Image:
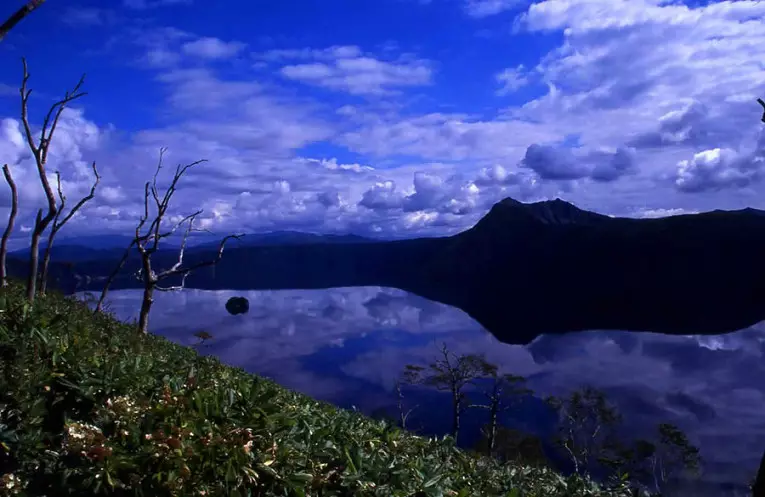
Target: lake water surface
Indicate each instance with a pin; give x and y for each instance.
(347, 346)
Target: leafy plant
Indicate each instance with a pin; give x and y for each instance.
(89, 407)
(503, 392)
(586, 430)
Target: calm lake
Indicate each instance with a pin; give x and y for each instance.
(347, 346)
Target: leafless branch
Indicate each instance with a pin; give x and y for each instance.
(110, 279)
(40, 153)
(212, 262)
(57, 225)
(17, 16)
(153, 232)
(9, 226)
(147, 242)
(83, 200)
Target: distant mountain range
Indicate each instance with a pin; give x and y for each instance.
(83, 248)
(521, 271)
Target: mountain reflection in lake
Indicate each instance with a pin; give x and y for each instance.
(347, 345)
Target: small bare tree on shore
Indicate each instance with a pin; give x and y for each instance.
(410, 376)
(112, 276)
(58, 224)
(40, 153)
(9, 226)
(148, 243)
(502, 393)
(450, 373)
(17, 16)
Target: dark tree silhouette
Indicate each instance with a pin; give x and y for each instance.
(450, 373)
(112, 275)
(410, 376)
(58, 224)
(17, 16)
(512, 445)
(503, 392)
(586, 427)
(148, 243)
(758, 488)
(9, 226)
(40, 151)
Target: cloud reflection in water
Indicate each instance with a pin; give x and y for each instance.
(347, 345)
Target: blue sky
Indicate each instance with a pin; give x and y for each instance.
(392, 118)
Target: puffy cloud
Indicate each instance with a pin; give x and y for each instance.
(611, 166)
(691, 125)
(212, 48)
(716, 169)
(75, 139)
(563, 164)
(349, 71)
(432, 194)
(438, 136)
(383, 196)
(657, 213)
(325, 54)
(329, 199)
(649, 74)
(644, 85)
(496, 181)
(448, 196)
(555, 163)
(512, 79)
(486, 8)
(87, 16)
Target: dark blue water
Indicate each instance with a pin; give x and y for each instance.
(348, 345)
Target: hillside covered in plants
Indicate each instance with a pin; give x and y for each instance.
(88, 406)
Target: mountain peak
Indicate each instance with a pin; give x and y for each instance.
(556, 211)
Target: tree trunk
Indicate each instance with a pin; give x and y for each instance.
(758, 489)
(149, 283)
(18, 16)
(492, 431)
(112, 276)
(9, 226)
(46, 263)
(456, 405)
(143, 319)
(399, 404)
(34, 256)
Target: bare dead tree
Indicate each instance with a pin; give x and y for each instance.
(57, 225)
(408, 377)
(9, 226)
(17, 16)
(40, 154)
(450, 373)
(110, 278)
(148, 243)
(503, 393)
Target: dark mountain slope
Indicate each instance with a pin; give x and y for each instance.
(549, 267)
(526, 269)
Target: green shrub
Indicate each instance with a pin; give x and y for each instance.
(88, 407)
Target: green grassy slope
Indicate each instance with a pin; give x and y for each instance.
(89, 407)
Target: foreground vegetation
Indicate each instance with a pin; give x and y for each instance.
(589, 429)
(88, 406)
